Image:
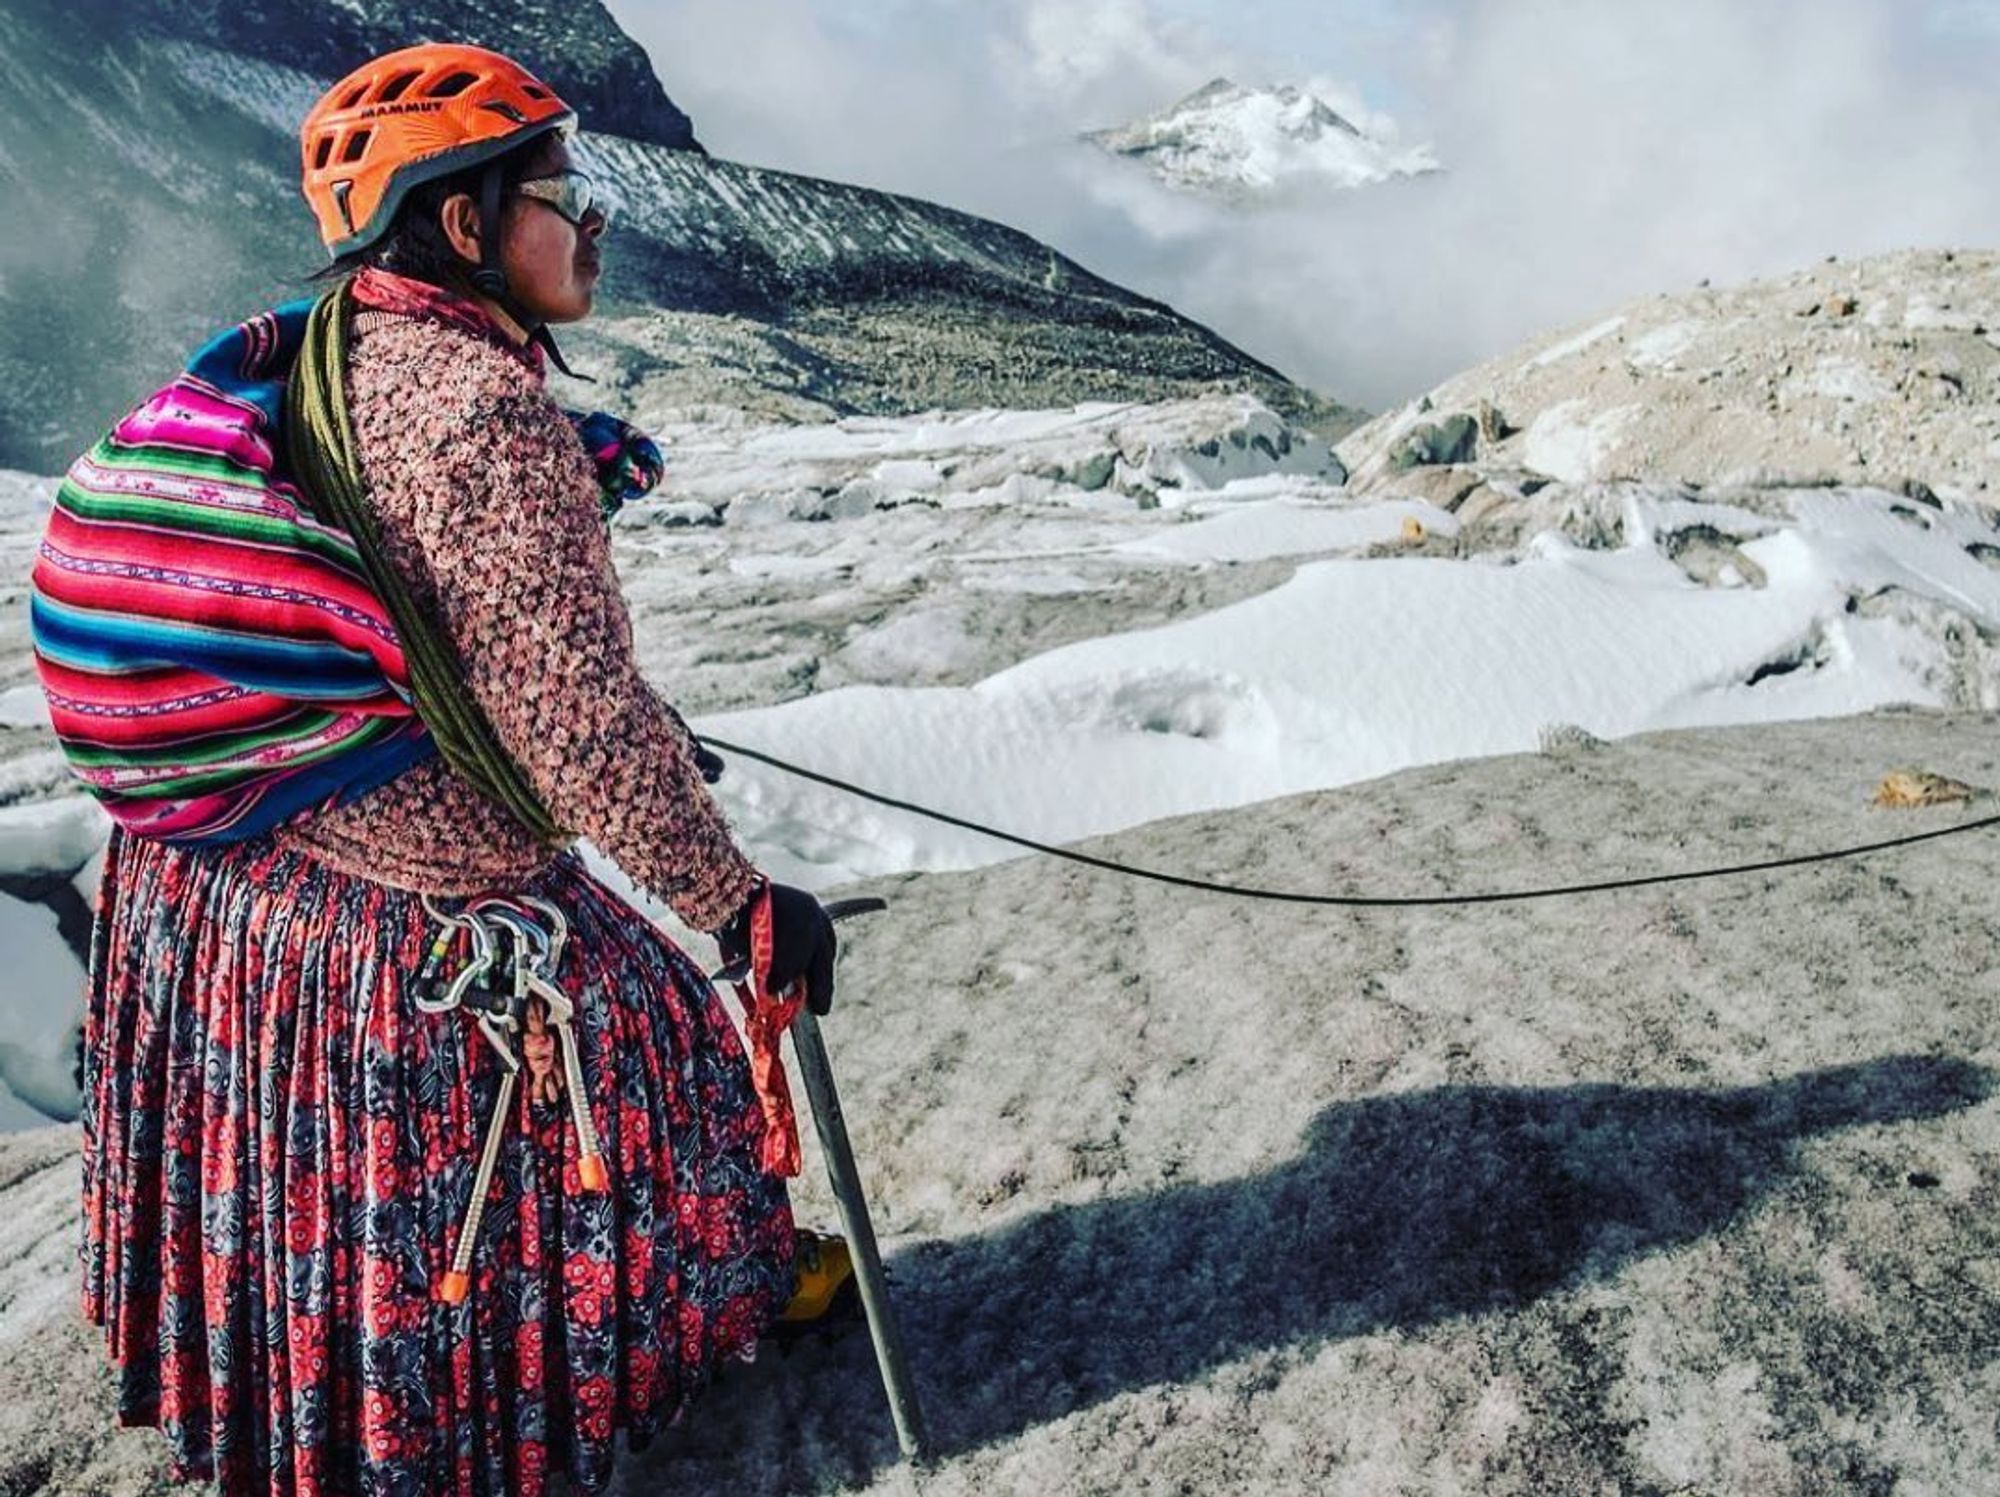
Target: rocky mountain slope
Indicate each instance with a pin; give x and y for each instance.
(1882, 372)
(783, 294)
(1689, 1189)
(576, 45)
(151, 162)
(1243, 144)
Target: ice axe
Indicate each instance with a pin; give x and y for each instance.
(855, 1223)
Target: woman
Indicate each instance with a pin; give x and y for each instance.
(331, 628)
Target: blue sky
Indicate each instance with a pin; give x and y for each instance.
(1594, 149)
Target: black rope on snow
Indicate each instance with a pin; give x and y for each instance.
(1350, 901)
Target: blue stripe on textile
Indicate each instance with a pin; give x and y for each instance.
(90, 640)
(221, 360)
(335, 782)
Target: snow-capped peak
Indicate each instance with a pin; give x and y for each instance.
(1227, 139)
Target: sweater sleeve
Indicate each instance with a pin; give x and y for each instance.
(514, 547)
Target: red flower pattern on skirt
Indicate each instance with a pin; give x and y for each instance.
(278, 1148)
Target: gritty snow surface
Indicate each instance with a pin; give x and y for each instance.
(1687, 1189)
(1882, 371)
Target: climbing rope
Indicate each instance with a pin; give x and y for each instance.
(1349, 901)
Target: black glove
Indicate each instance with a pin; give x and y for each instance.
(708, 761)
(802, 944)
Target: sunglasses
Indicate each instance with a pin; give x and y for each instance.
(571, 193)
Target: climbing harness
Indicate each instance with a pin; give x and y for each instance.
(507, 985)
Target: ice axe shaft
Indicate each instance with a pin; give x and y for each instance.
(831, 1124)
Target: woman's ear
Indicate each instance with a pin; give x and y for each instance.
(459, 217)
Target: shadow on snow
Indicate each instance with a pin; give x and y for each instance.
(1399, 1211)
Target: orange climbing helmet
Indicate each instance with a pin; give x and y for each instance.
(408, 117)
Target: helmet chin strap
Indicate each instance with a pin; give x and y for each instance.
(489, 280)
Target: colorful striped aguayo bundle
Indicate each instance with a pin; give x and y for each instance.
(215, 660)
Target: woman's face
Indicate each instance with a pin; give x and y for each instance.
(552, 264)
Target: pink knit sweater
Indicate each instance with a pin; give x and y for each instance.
(489, 510)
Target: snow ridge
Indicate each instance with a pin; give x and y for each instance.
(1228, 140)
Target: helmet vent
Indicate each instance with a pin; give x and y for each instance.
(357, 146)
(396, 87)
(505, 110)
(324, 154)
(452, 87)
(353, 96)
(534, 93)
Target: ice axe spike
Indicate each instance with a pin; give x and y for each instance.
(817, 1073)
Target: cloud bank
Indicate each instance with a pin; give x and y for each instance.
(1592, 152)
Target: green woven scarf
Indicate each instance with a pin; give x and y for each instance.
(319, 441)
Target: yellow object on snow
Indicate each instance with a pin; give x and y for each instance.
(1902, 789)
(823, 1267)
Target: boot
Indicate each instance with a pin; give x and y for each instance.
(825, 1297)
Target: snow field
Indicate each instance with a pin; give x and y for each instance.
(1368, 634)
(1357, 667)
(41, 986)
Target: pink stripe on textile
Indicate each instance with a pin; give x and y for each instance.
(252, 370)
(202, 815)
(279, 499)
(270, 756)
(184, 416)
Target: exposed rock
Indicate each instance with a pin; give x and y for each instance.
(1894, 381)
(579, 49)
(1094, 472)
(1567, 738)
(1712, 558)
(1493, 521)
(1446, 487)
(672, 513)
(1451, 441)
(1478, 506)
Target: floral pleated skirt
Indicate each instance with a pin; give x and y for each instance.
(279, 1149)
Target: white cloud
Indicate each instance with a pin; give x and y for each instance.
(1972, 17)
(1098, 62)
(1070, 46)
(1592, 152)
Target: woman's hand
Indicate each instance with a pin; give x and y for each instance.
(803, 945)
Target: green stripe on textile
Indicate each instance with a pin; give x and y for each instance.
(226, 745)
(93, 506)
(320, 443)
(174, 786)
(159, 457)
